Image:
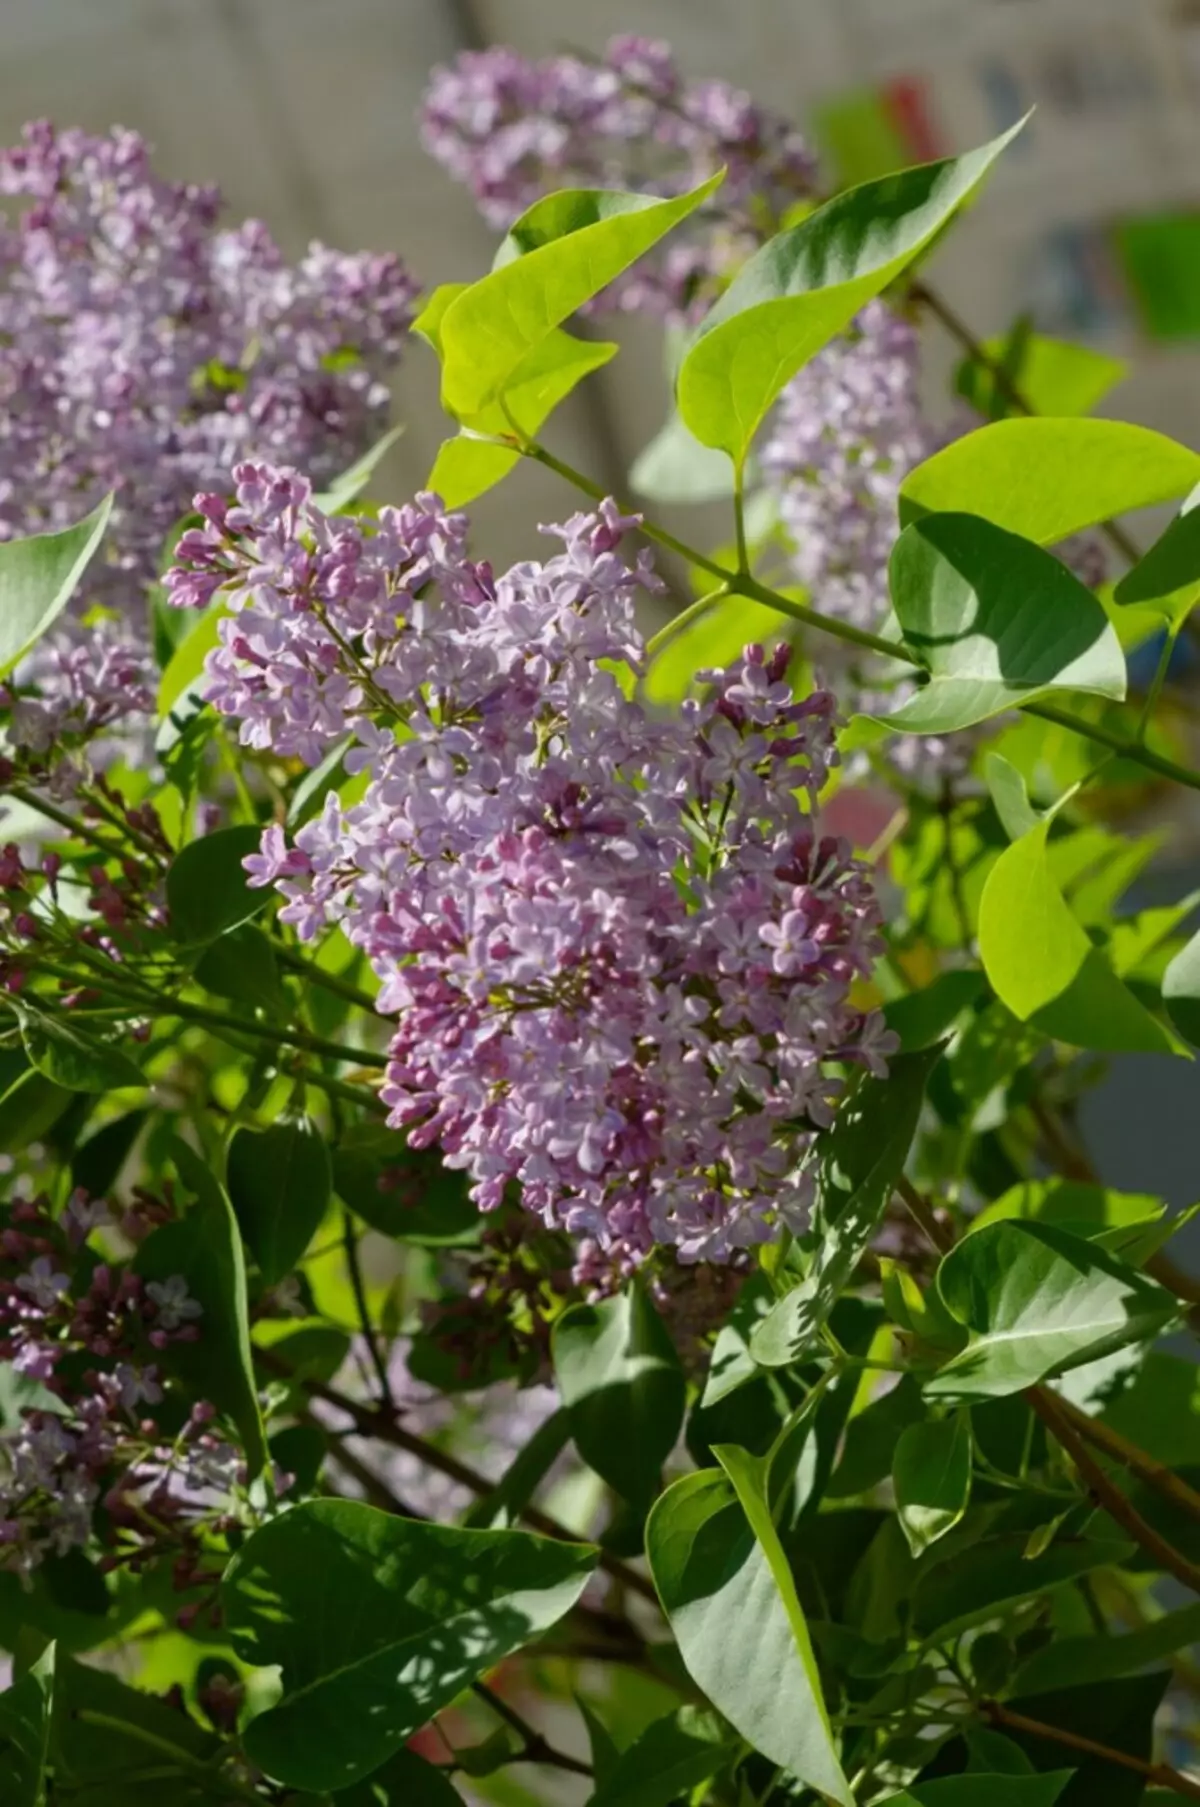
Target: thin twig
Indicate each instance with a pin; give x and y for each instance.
(535, 1748)
(354, 1269)
(1162, 1775)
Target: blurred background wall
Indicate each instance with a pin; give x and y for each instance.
(305, 112)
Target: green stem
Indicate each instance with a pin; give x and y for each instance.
(316, 975)
(842, 630)
(80, 830)
(679, 623)
(1160, 674)
(739, 516)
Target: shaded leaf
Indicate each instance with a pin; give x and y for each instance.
(673, 1756)
(931, 1473)
(997, 621)
(622, 1384)
(407, 1193)
(203, 1247)
(1181, 991)
(25, 1710)
(1104, 1659)
(207, 887)
(861, 1159)
(675, 467)
(1038, 1301)
(735, 1623)
(71, 1058)
(503, 1506)
(241, 965)
(1167, 578)
(378, 1622)
(980, 1790)
(925, 1017)
(279, 1182)
(1052, 376)
(353, 481)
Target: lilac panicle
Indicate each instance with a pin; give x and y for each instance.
(618, 950)
(511, 130)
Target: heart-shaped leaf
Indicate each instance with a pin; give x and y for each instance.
(623, 1386)
(279, 1182)
(931, 1474)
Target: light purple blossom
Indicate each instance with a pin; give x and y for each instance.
(582, 917)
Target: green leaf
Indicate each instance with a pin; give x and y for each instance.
(25, 1710)
(1117, 1714)
(675, 467)
(972, 1585)
(861, 1159)
(1103, 1659)
(1010, 797)
(71, 1058)
(997, 621)
(713, 641)
(279, 1181)
(106, 1735)
(1052, 376)
(975, 1790)
(806, 285)
(38, 577)
(1167, 578)
(406, 1193)
(31, 1106)
(931, 1473)
(97, 1162)
(734, 1611)
(568, 246)
(180, 681)
(1181, 991)
(623, 1386)
(1114, 1219)
(731, 1364)
(241, 965)
(379, 1622)
(207, 888)
(467, 466)
(503, 1506)
(1043, 966)
(1047, 479)
(673, 1756)
(204, 1247)
(924, 1018)
(352, 482)
(1037, 1302)
(405, 1780)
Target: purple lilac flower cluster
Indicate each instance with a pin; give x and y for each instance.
(512, 130)
(80, 1336)
(619, 952)
(145, 349)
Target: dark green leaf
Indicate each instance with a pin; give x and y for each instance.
(31, 1105)
(241, 965)
(105, 1736)
(974, 1584)
(1103, 1659)
(403, 1192)
(806, 285)
(38, 577)
(565, 249)
(623, 1387)
(1044, 967)
(997, 621)
(405, 1780)
(1167, 577)
(672, 1757)
(97, 1163)
(25, 1710)
(1117, 1714)
(861, 1159)
(1052, 376)
(733, 1608)
(732, 1364)
(1047, 479)
(1181, 991)
(279, 1183)
(871, 1436)
(71, 1058)
(1037, 1302)
(977, 1790)
(925, 1017)
(204, 1248)
(931, 1473)
(207, 887)
(378, 1622)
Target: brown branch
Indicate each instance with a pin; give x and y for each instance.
(1162, 1775)
(939, 1234)
(1138, 1461)
(1105, 1492)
